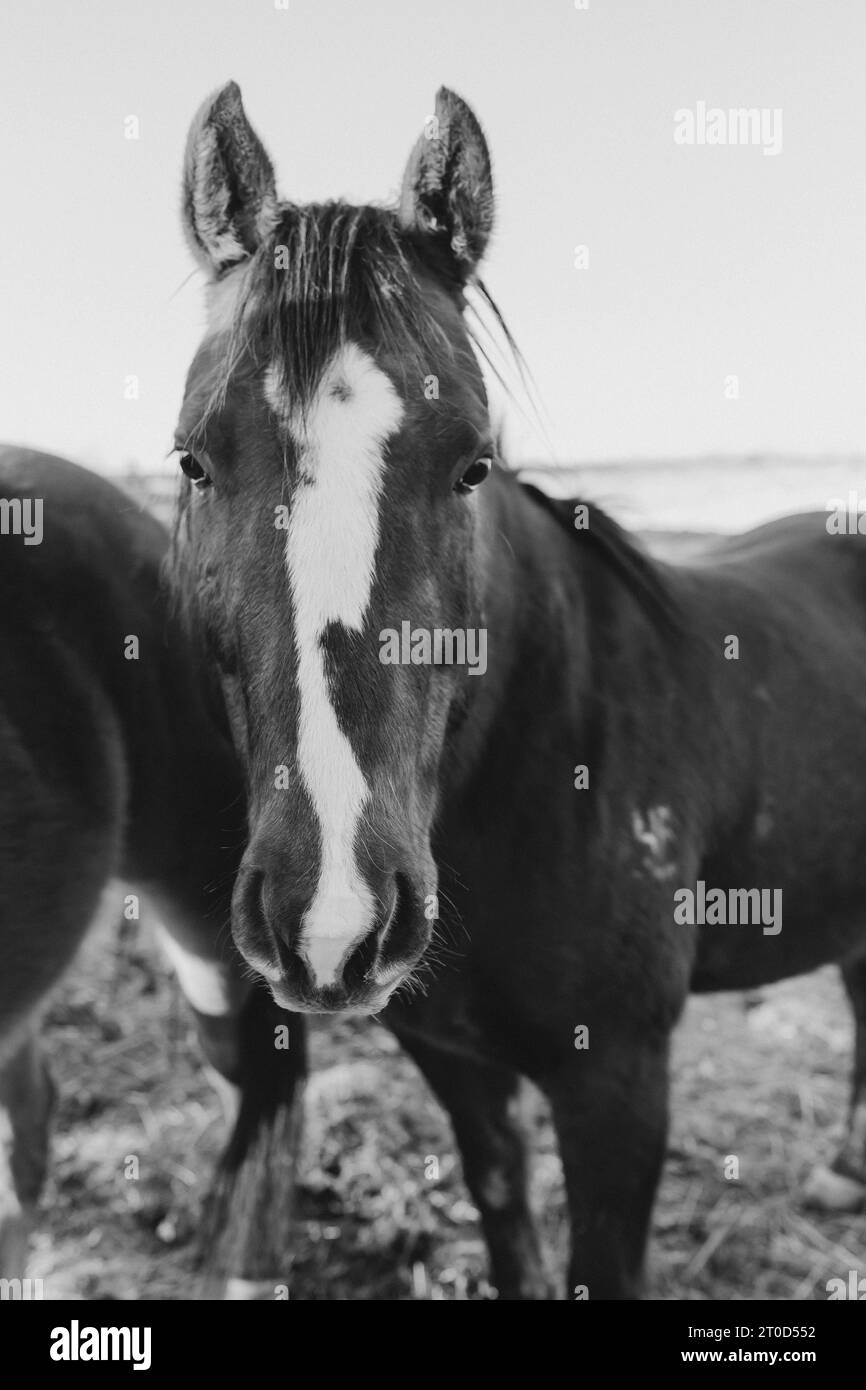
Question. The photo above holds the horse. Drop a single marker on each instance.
(491, 745)
(117, 773)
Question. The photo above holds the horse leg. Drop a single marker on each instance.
(256, 1053)
(842, 1186)
(610, 1114)
(249, 1216)
(26, 1100)
(483, 1101)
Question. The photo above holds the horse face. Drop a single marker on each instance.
(334, 432)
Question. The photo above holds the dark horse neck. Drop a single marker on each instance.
(573, 617)
(641, 728)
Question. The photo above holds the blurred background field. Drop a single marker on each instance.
(708, 494)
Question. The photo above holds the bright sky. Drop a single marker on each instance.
(705, 262)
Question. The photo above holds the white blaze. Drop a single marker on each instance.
(330, 551)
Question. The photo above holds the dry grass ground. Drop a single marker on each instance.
(763, 1078)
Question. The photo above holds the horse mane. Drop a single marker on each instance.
(626, 560)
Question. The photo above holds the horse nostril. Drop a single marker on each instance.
(399, 937)
(359, 963)
(274, 908)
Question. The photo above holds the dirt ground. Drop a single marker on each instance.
(761, 1077)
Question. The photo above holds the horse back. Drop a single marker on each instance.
(779, 719)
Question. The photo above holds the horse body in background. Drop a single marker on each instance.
(114, 770)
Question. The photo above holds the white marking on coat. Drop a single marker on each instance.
(211, 986)
(330, 554)
(656, 835)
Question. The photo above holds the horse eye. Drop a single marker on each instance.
(474, 475)
(193, 470)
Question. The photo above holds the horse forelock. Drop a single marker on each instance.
(327, 275)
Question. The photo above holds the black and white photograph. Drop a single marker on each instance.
(433, 664)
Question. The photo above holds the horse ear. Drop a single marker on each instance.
(229, 194)
(447, 194)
